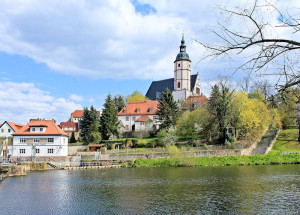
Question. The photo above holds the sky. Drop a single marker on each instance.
(58, 56)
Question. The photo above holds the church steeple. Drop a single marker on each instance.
(182, 55)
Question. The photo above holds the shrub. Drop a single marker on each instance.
(129, 143)
(142, 143)
(228, 143)
(174, 151)
(141, 134)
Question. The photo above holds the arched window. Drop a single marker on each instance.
(178, 84)
(179, 65)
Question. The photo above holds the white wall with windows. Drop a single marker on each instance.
(129, 122)
(6, 130)
(40, 146)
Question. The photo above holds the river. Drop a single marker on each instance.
(188, 190)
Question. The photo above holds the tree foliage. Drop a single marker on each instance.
(167, 110)
(94, 134)
(192, 123)
(109, 121)
(136, 96)
(72, 138)
(119, 101)
(89, 116)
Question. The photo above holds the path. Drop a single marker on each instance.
(264, 143)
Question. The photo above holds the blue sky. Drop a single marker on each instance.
(57, 56)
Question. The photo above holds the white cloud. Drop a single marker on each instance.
(76, 98)
(108, 39)
(23, 101)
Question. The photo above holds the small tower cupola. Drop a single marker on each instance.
(182, 55)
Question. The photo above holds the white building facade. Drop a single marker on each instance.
(40, 138)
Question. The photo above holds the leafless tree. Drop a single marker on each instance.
(256, 39)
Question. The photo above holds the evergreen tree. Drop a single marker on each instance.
(72, 138)
(109, 121)
(219, 108)
(94, 134)
(168, 110)
(89, 116)
(119, 102)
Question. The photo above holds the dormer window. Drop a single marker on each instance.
(125, 111)
(41, 129)
(150, 110)
(33, 129)
(137, 110)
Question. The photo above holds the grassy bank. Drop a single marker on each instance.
(287, 141)
(220, 161)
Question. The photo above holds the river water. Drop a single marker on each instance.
(188, 190)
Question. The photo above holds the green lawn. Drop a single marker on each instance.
(287, 141)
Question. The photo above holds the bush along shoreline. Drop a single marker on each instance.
(269, 159)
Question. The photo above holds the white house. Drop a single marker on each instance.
(40, 138)
(6, 131)
(138, 116)
(183, 84)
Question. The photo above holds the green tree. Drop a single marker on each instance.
(219, 108)
(136, 96)
(109, 121)
(119, 102)
(72, 138)
(192, 123)
(94, 134)
(168, 111)
(89, 116)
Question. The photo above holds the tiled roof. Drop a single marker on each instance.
(51, 128)
(13, 125)
(139, 108)
(143, 119)
(158, 87)
(70, 125)
(79, 113)
(194, 99)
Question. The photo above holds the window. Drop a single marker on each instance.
(137, 110)
(179, 65)
(142, 123)
(125, 111)
(22, 140)
(127, 118)
(197, 91)
(150, 110)
(50, 151)
(50, 140)
(41, 129)
(36, 140)
(33, 129)
(37, 151)
(9, 130)
(2, 130)
(133, 118)
(178, 84)
(22, 151)
(127, 127)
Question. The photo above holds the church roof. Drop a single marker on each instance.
(158, 87)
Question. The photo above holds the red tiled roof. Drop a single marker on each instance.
(143, 107)
(193, 99)
(79, 113)
(143, 119)
(70, 125)
(51, 128)
(13, 125)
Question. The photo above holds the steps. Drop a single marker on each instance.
(52, 165)
(264, 143)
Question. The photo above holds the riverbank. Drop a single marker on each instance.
(269, 159)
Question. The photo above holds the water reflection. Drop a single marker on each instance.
(234, 190)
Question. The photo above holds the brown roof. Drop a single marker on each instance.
(143, 119)
(139, 108)
(70, 125)
(194, 99)
(51, 128)
(79, 113)
(13, 125)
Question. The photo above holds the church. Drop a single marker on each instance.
(183, 85)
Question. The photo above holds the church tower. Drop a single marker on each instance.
(182, 69)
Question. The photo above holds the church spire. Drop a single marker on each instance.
(182, 55)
